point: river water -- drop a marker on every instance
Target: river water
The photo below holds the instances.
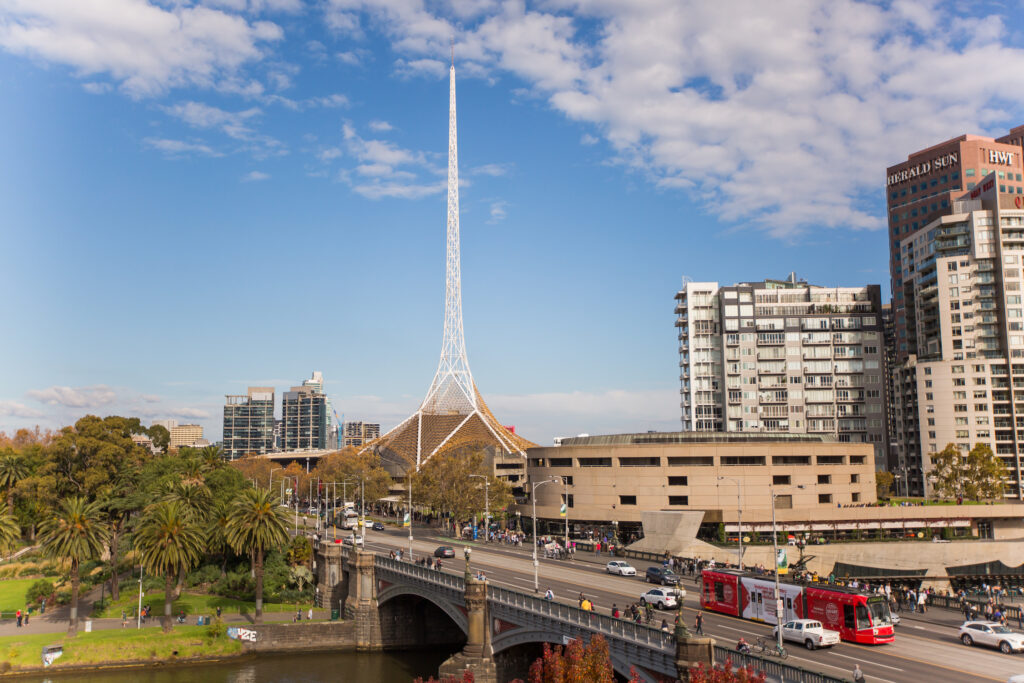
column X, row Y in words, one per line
column 346, row 667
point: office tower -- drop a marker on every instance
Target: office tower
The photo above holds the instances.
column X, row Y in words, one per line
column 166, row 424
column 304, row 416
column 359, row 433
column 185, row 435
column 962, row 380
column 249, row 423
column 783, row 356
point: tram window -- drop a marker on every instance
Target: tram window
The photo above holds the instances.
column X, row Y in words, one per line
column 848, row 620
column 719, row 591
column 863, row 620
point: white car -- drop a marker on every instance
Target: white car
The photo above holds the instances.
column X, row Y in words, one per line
column 992, row 634
column 354, row 539
column 809, row 632
column 621, row 568
column 662, row 598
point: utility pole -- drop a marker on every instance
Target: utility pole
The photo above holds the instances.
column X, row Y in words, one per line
column 739, row 515
column 533, row 499
column 487, row 505
column 409, row 477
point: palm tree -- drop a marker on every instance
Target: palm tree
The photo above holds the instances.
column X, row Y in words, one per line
column 213, row 457
column 10, row 532
column 196, row 498
column 170, row 540
column 13, row 469
column 217, row 533
column 257, row 524
column 75, row 532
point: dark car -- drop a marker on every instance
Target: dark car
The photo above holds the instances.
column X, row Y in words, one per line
column 445, row 551
column 378, row 526
column 662, row 576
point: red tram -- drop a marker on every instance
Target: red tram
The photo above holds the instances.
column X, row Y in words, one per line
column 859, row 617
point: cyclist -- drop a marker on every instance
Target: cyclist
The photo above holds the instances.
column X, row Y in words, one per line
column 743, row 646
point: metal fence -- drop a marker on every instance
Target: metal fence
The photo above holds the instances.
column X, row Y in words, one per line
column 1012, row 612
column 426, row 574
column 600, row 623
column 774, row 669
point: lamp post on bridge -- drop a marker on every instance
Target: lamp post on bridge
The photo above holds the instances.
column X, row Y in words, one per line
column 533, row 499
column 487, row 505
column 739, row 515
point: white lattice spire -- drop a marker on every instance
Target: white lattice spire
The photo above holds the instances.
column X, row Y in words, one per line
column 452, row 390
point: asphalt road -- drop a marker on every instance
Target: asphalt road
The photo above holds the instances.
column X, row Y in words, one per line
column 926, row 648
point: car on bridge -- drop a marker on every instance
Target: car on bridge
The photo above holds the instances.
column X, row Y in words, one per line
column 378, row 526
column 992, row 634
column 661, row 575
column 621, row 568
column 353, row 540
column 809, row 632
column 662, row 598
column 444, row 551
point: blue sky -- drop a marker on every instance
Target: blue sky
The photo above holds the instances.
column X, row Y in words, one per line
column 201, row 196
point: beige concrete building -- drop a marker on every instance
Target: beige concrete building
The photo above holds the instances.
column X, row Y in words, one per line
column 783, row 356
column 616, row 478
column 185, row 435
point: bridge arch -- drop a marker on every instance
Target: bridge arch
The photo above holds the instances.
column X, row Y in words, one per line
column 521, row 636
column 454, row 613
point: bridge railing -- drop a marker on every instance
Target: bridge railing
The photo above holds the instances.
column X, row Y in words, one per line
column 440, row 578
column 773, row 669
column 617, row 628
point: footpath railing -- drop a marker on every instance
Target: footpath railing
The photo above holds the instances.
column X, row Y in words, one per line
column 617, row 628
column 953, row 602
column 773, row 669
column 426, row 574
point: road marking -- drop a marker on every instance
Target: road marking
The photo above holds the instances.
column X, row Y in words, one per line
column 947, row 668
column 861, row 659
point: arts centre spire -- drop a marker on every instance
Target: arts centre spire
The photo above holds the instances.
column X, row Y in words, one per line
column 453, row 414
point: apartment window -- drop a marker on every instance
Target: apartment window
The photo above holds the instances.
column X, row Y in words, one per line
column 928, row 370
column 931, row 421
column 855, row 497
column 791, row 460
column 692, row 460
column 640, row 462
column 781, row 480
column 784, row 502
column 824, row 497
column 678, row 500
column 595, row 462
column 824, row 478
column 677, row 481
column 959, row 382
column 743, row 460
column 567, row 481
column 560, row 462
column 831, row 459
column 854, row 478
column 627, row 500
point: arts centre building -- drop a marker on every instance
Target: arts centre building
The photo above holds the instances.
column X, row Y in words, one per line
column 691, row 493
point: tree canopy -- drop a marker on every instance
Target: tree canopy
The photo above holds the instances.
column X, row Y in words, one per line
column 444, row 483
column 975, row 476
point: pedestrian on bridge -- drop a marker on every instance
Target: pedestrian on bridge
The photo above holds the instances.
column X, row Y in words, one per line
column 698, row 624
column 858, row 675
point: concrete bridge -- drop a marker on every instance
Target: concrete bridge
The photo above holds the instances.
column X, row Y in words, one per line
column 398, row 605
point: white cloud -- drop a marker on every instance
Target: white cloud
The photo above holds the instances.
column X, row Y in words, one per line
column 490, row 169
column 74, row 397
column 782, row 115
column 178, row 148
column 256, row 6
column 233, row 124
column 329, row 154
column 499, row 211
column 94, row 88
column 385, row 170
column 146, row 48
column 196, row 413
column 255, row 176
column 352, row 58
column 16, row 409
column 379, row 126
column 588, row 139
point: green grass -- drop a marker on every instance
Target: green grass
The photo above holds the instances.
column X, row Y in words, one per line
column 191, row 603
column 118, row 645
column 12, row 593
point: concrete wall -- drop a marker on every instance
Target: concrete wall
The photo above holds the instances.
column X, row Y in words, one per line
column 337, row 635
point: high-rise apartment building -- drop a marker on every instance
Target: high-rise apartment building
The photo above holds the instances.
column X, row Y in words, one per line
column 961, row 375
column 166, row 424
column 359, row 433
column 249, row 423
column 783, row 356
column 185, row 435
column 304, row 416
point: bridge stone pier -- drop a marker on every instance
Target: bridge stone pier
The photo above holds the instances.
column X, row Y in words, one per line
column 400, row 605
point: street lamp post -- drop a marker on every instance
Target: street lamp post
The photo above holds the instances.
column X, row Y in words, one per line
column 466, row 551
column 739, row 515
column 409, row 477
column 487, row 505
column 270, row 479
column 778, row 591
column 565, row 480
column 533, row 499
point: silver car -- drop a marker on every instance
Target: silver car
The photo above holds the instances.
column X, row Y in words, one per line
column 991, row 634
column 621, row 568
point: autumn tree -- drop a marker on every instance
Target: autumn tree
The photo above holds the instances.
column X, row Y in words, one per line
column 975, row 476
column 726, row 674
column 883, row 483
column 350, row 465
column 578, row 662
column 444, row 484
